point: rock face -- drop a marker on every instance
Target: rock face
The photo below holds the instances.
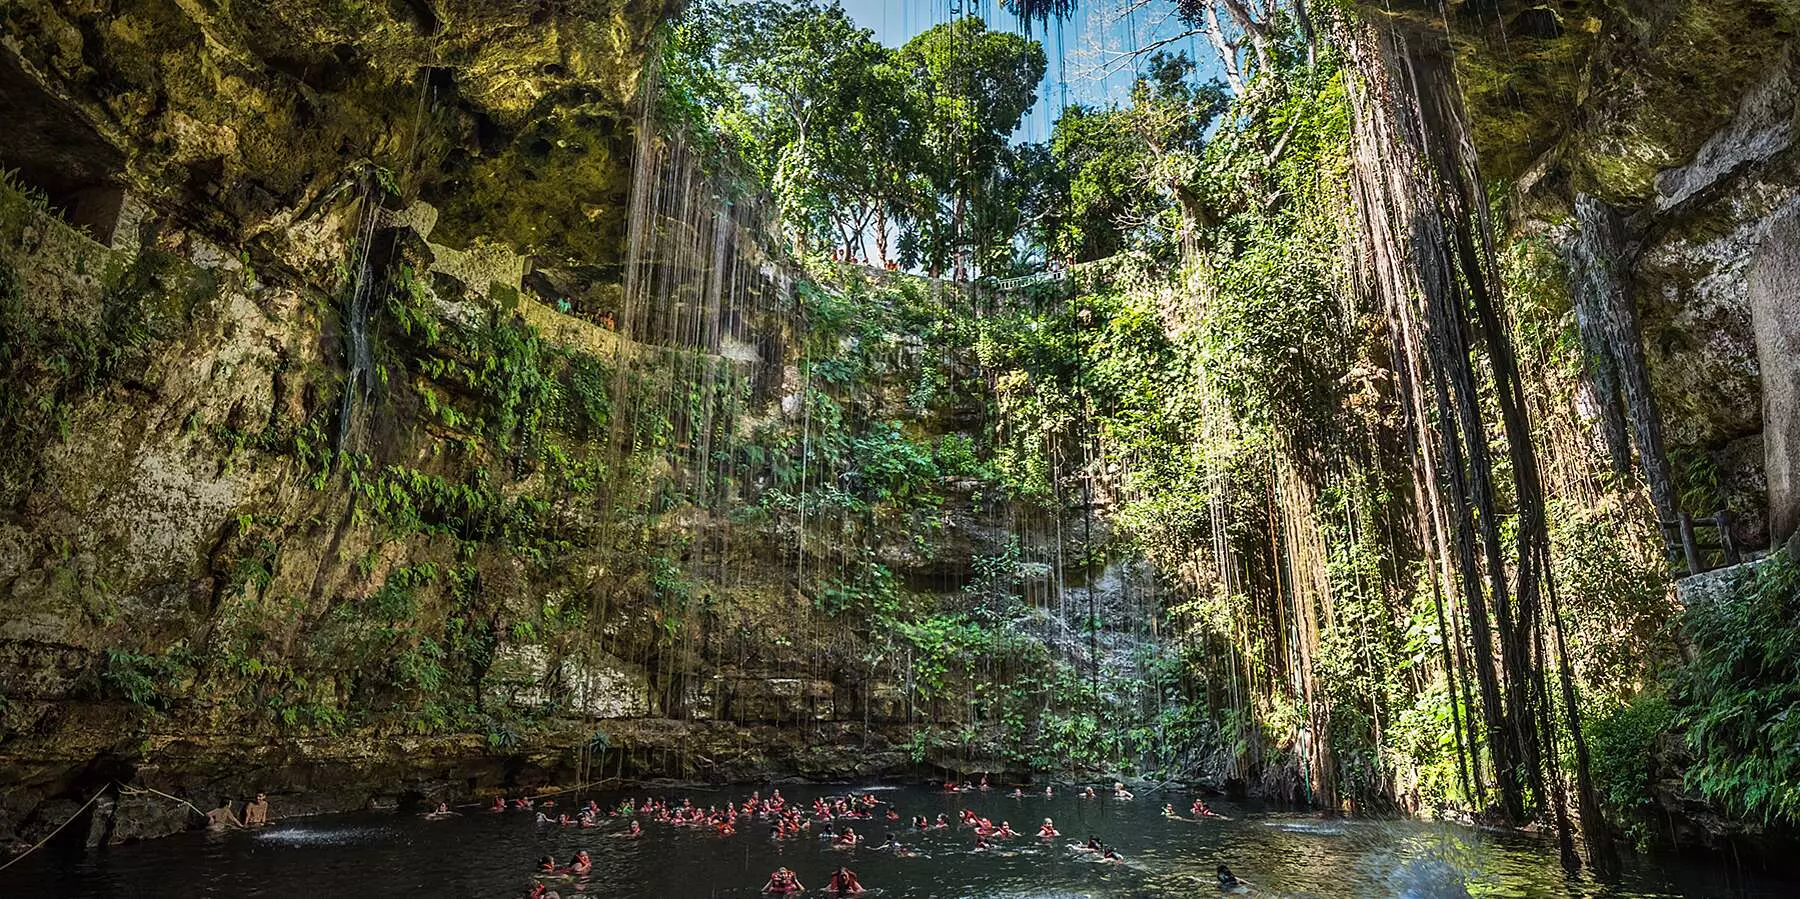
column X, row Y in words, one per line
column 1775, row 315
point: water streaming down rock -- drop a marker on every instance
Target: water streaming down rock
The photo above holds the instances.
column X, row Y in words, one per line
column 358, row 298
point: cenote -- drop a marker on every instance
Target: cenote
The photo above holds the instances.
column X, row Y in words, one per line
column 1385, row 410
column 485, row 854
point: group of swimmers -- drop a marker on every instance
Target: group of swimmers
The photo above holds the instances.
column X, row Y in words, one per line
column 788, row 821
column 256, row 813
column 843, row 883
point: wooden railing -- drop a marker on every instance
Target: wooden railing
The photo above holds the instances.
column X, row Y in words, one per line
column 1683, row 529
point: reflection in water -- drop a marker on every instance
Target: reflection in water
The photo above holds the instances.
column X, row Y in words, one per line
column 480, row 854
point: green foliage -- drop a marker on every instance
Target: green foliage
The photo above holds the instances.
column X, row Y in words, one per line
column 138, row 678
column 849, row 136
column 1622, row 748
column 1738, row 702
column 1130, row 170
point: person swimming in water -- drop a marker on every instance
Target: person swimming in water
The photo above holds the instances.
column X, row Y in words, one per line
column 442, row 811
column 539, row 891
column 848, row 838
column 256, row 814
column 783, row 882
column 844, row 883
column 1169, row 811
column 1087, row 793
column 1092, row 844
column 1108, row 854
column 1049, row 792
column 223, row 817
column 1048, row 829
column 547, row 865
column 583, row 864
column 1228, row 880
column 1119, row 791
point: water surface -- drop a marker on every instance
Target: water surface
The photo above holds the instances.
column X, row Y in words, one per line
column 491, row 855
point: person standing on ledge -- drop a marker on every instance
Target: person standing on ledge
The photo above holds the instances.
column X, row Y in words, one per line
column 223, row 816
column 256, row 814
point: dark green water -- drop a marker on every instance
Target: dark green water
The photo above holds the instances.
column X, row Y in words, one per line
column 491, row 855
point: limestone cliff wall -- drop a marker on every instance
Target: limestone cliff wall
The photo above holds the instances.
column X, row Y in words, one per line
column 1679, row 116
column 326, row 425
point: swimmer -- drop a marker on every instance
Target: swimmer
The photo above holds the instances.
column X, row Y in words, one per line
column 783, row 882
column 1169, row 811
column 1087, row 793
column 849, row 838
column 1048, row 829
column 631, row 833
column 499, row 804
column 1006, row 830
column 256, row 814
column 1018, row 793
column 984, row 783
column 547, row 865
column 844, row 883
column 1108, row 855
column 442, row 811
column 223, row 817
column 1119, row 791
column 582, row 864
column 1049, row 792
column 1227, row 880
column 539, row 891
column 1092, row 845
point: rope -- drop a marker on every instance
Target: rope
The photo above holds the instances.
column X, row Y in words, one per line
column 138, row 791
column 40, row 843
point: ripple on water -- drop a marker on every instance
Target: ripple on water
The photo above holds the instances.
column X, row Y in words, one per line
column 1324, row 830
column 310, row 836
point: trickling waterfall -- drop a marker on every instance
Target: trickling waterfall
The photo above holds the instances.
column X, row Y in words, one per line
column 701, row 325
column 357, row 302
